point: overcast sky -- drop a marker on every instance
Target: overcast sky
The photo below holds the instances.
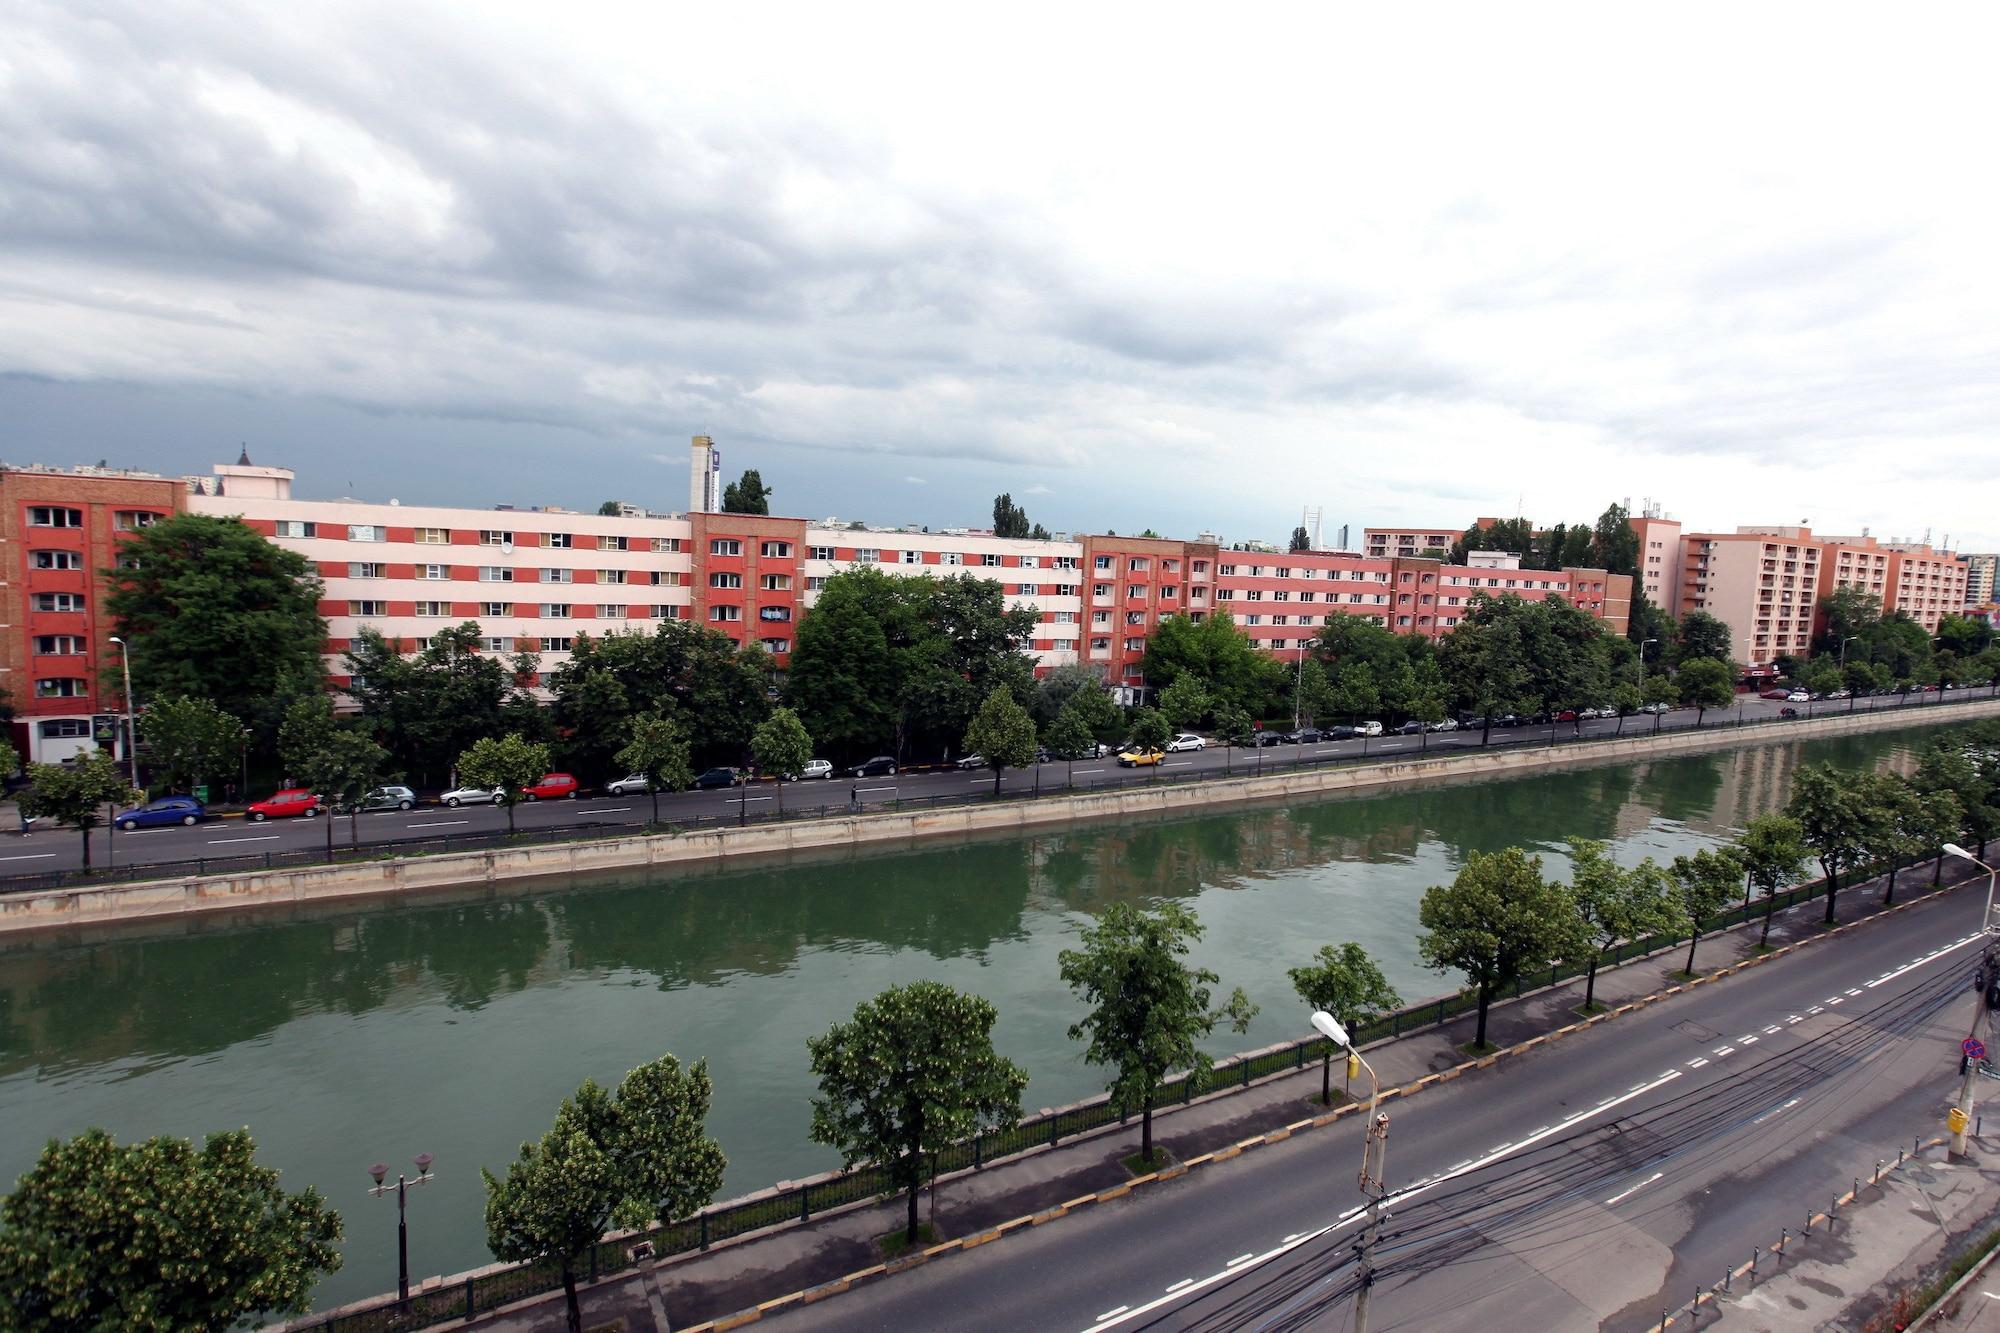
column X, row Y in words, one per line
column 1138, row 266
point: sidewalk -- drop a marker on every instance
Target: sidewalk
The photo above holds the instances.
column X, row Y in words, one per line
column 692, row 1288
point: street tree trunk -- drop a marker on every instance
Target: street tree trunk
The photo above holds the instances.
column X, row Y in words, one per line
column 573, row 1310
column 85, row 829
column 1693, row 939
column 997, row 771
column 910, row 1225
column 1832, row 887
column 654, row 792
column 1770, row 907
column 1485, row 999
column 1326, row 1077
column 1146, row 1129
column 1889, row 895
column 1590, row 982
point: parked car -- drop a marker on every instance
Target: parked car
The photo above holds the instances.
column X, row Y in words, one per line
column 634, row 784
column 718, row 777
column 1564, row 715
column 1776, row 694
column 1303, row 736
column 1410, row 728
column 1449, row 724
column 1655, row 708
column 1259, row 740
column 1504, row 720
column 1140, row 758
column 166, row 811
column 1369, row 729
column 1840, row 694
column 972, row 761
column 1473, row 722
column 1339, row 733
column 878, row 767
column 289, row 803
column 815, row 768
column 1798, row 697
column 552, row 787
column 1187, row 740
column 383, row 798
column 458, row 796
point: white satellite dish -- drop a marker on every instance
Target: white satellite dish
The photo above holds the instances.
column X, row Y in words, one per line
column 507, row 547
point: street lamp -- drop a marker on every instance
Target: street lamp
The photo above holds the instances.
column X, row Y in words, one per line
column 1298, row 684
column 1961, row 1115
column 131, row 734
column 1374, row 1151
column 381, row 1170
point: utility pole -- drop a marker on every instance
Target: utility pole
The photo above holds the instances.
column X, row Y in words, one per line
column 1374, row 1154
column 1972, row 1053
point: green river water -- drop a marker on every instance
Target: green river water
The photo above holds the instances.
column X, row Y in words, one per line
column 345, row 1038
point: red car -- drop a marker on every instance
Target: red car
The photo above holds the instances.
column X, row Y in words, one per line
column 283, row 805
column 1776, row 694
column 552, row 787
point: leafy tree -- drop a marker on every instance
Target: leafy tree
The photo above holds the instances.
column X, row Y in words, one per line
column 1508, row 534
column 747, row 495
column 1219, row 655
column 1910, row 825
column 75, row 794
column 782, row 746
column 1627, row 699
column 656, row 748
column 211, row 610
column 1184, row 703
column 1232, row 724
column 1614, row 545
column 592, row 714
column 715, row 690
column 1662, row 690
column 1312, row 691
column 1646, row 621
column 1703, row 884
column 625, row 1159
column 1822, row 675
column 1041, row 534
column 1947, row 767
column 304, row 732
column 188, row 739
column 505, row 764
column 1147, row 730
column 1706, row 683
column 609, row 509
column 1009, row 519
column 1613, row 904
column 1773, row 850
column 1702, row 636
column 1003, row 734
column 1833, row 814
column 912, row 1072
column 1844, row 614
column 425, row 706
column 1497, row 920
column 1353, row 691
column 1343, row 981
column 1963, row 636
column 1069, row 738
column 1148, row 1008
column 159, row 1237
column 1424, row 695
column 840, row 658
column 1301, row 540
column 341, row 769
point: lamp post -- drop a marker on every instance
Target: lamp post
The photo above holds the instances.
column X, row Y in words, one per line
column 1843, row 671
column 131, row 734
column 1961, row 1115
column 1374, row 1152
column 424, row 1176
column 243, row 792
column 1298, row 684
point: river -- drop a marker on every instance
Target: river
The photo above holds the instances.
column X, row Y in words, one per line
column 345, row 1038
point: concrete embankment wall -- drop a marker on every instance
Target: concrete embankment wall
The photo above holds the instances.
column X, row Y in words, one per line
column 167, row 898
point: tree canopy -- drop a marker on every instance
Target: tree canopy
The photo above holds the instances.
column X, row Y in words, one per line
column 1345, row 982
column 715, row 691
column 1497, row 920
column 187, row 739
column 747, row 495
column 76, row 794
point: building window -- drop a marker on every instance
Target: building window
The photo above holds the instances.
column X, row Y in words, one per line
column 725, row 546
column 667, row 545
column 46, row 516
column 1135, row 645
column 432, row 536
column 365, row 532
column 725, row 580
column 990, row 561
column 495, row 645
column 131, row 520
column 559, row 576
column 1030, row 562
column 1102, row 562
column 815, row 582
column 776, row 645
column 1063, row 562
column 611, row 611
column 62, row 687
column 774, row 613
column 65, row 728
column 868, row 556
column 58, row 560
column 775, row 550
column 561, row 541
column 608, row 543
column 495, row 574
column 433, row 608
column 1031, row 590
column 495, row 537
column 292, row 527
column 725, row 613
column 670, row 611
column 610, row 576
column 819, row 553
column 59, row 645
column 496, row 608
column 776, row 582
column 59, row 601
column 555, row 610
column 557, row 644
column 367, row 608
column 363, row 569
column 951, row 558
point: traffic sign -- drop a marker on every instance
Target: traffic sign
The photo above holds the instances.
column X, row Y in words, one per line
column 1974, row 1048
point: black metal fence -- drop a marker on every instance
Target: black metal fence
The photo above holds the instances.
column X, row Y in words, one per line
column 463, row 1297
column 1238, row 763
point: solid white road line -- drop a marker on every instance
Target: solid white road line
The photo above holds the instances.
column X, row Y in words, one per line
column 1113, row 1314
column 1635, row 1189
column 261, row 837
column 1352, row 1214
column 745, row 800
column 1184, row 1282
column 865, row 790
column 1240, row 1258
column 439, row 823
column 1891, row 976
column 31, row 856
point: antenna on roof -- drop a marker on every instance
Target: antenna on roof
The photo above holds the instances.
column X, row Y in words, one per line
column 243, row 459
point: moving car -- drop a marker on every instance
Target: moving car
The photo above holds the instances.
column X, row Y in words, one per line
column 717, row 777
column 1775, row 694
column 972, row 761
column 382, row 798
column 1339, row 733
column 1410, row 728
column 1139, row 758
column 1187, row 740
column 292, row 801
column 634, row 784
column 1655, row 708
column 1303, row 736
column 458, row 796
column 552, row 787
column 161, row 813
column 1368, row 728
column 1798, row 697
column 881, row 766
column 1839, row 694
column 815, row 768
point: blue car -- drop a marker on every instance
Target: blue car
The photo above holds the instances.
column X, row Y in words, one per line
column 166, row 810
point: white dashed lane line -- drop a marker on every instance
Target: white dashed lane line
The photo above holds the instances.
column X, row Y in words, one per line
column 1697, row 1063
column 1184, row 1282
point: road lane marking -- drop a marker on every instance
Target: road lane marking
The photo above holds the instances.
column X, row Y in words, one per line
column 1184, row 1282
column 1086, row 772
column 1241, row 1257
column 439, row 823
column 1697, row 1063
column 1746, row 1041
column 1349, row 1217
column 1113, row 1314
column 1817, row 1009
column 612, row 809
column 261, row 837
column 1835, row 999
column 1635, row 1189
column 1855, row 991
column 865, row 790
column 1776, row 1110
column 1721, row 1051
column 31, row 856
column 1795, row 1018
column 1891, row 976
column 1769, row 1030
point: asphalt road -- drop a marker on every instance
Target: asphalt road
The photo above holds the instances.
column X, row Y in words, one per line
column 1591, row 1183
column 49, row 849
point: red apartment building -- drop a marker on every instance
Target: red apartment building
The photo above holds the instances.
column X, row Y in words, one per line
column 1129, row 585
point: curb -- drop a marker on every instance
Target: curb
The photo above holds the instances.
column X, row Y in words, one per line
column 1237, row 1149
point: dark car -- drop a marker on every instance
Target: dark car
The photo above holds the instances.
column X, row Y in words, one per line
column 1506, row 720
column 1264, row 738
column 881, row 766
column 165, row 811
column 1340, row 733
column 718, row 777
column 1306, row 736
column 1410, row 728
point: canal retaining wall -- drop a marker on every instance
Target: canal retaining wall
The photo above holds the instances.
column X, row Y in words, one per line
column 166, row 898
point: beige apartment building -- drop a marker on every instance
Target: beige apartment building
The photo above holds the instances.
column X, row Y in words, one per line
column 1659, row 560
column 1763, row 582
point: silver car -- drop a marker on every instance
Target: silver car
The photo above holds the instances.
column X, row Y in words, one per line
column 458, row 796
column 634, row 785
